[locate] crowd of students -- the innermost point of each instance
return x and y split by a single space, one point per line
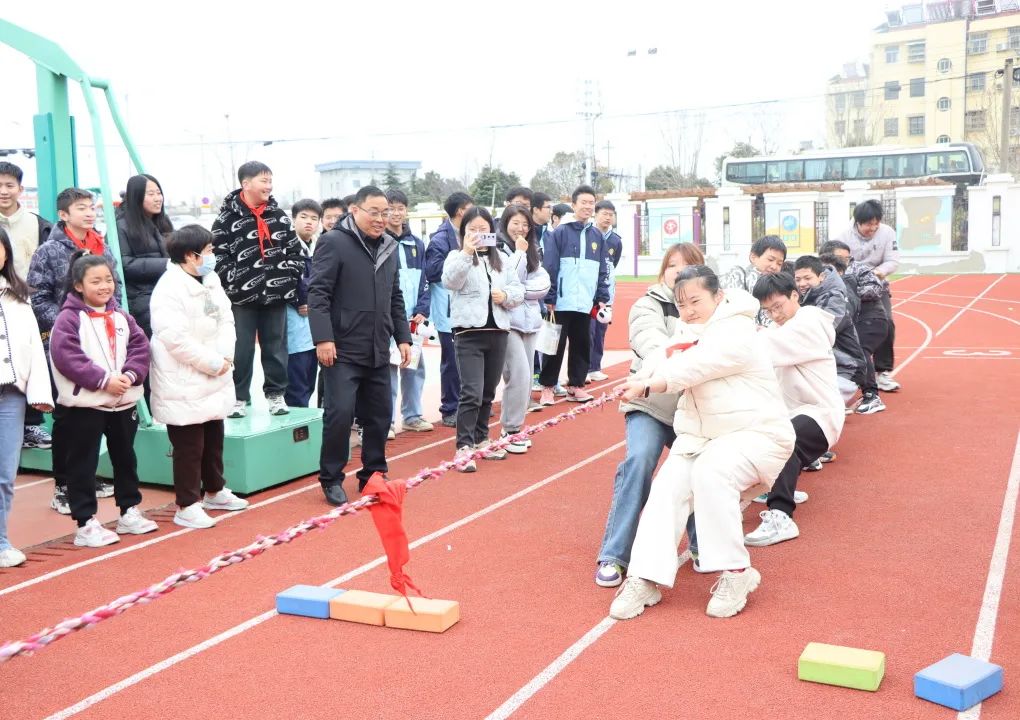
742 412
339 294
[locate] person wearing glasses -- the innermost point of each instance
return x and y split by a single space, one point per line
355 306
259 261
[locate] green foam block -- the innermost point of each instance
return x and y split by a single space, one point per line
842 666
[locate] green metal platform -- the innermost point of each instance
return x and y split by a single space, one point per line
259 451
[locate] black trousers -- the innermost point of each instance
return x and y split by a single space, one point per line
83 429
354 391
449 377
576 328
809 446
198 460
269 323
872 330
480 355
884 359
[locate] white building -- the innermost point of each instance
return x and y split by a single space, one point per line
345 177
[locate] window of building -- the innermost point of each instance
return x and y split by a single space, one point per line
915 124
892 127
974 120
859 129
840 102
976 82
942 139
892 90
355 183
943 103
839 127
892 53
857 98
915 52
913 14
917 87
977 43
945 65
1014 38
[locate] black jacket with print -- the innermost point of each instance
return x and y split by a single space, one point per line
252 275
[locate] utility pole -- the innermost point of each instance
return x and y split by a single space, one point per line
589 131
1007 102
230 143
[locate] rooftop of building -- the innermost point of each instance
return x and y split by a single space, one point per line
939 11
368 165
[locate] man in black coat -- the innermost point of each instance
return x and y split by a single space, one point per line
355 307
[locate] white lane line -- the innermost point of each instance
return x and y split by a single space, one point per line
968 357
973 310
33 483
984 632
259 619
551 671
969 305
921 348
254 506
922 292
967 297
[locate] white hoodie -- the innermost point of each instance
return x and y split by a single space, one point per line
801 351
730 392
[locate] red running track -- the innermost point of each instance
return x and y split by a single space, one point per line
894 554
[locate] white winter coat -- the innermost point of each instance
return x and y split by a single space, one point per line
801 351
192 334
470 285
526 318
22 358
730 393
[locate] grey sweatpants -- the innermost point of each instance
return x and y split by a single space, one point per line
520 354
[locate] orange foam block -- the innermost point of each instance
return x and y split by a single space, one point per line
429 615
361 607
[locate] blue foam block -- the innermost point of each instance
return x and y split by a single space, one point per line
306 600
958 682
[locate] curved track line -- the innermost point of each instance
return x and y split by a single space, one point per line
966 307
254 506
973 310
259 619
965 297
928 337
925 290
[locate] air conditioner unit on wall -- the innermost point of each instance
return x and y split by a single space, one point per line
1002 47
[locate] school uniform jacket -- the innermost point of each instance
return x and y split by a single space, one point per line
441 243
411 274
731 397
801 352
575 259
83 361
192 337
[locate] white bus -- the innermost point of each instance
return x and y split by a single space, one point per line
952 162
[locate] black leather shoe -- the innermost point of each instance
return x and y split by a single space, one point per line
335 494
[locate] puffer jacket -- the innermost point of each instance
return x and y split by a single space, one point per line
144 261
831 296
652 323
527 317
731 397
192 335
23 363
471 280
801 352
880 253
254 273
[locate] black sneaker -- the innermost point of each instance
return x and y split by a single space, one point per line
37 437
449 420
870 405
59 501
103 489
827 457
335 494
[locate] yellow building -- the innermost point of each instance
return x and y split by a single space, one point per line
932 79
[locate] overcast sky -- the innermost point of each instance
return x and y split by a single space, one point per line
433 82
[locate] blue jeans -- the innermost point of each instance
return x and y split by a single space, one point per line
411 384
646 439
12 420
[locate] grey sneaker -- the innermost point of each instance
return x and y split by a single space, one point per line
418 424
729 594
468 465
37 437
886 382
104 489
870 405
240 409
277 405
633 597
492 453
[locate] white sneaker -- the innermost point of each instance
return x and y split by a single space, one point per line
515 447
491 453
94 535
132 522
597 376
223 500
799 496
277 405
11 557
729 594
633 597
240 409
776 526
886 382
469 466
392 434
193 516
418 424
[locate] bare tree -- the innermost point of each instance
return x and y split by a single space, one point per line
855 120
984 122
682 135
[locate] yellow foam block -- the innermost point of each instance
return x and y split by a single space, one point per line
361 607
844 666
432 615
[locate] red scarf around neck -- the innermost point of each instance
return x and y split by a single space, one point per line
262 225
111 331
93 241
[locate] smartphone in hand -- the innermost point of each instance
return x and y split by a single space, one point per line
486 239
